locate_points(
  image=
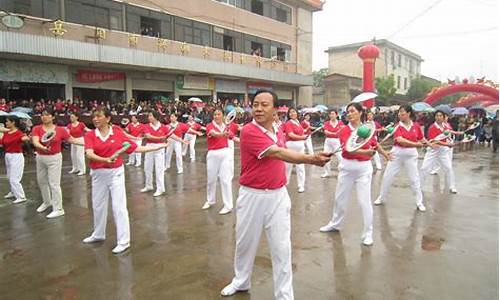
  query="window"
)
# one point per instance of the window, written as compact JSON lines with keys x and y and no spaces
{"x":393,"y":62}
{"x":280,"y":51}
{"x":150,"y":27}
{"x":236,"y":3}
{"x":191,"y":32}
{"x":399,"y":82}
{"x":412,"y":66}
{"x":147,"y":22}
{"x":257,"y":7}
{"x":406,"y":83}
{"x":228,"y":42}
{"x":257,"y":49}
{"x":99,"y":13}
{"x":281,"y":12}
{"x":48,"y":9}
{"x":399,"y":60}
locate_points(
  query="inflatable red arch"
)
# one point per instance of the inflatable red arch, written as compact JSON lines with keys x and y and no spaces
{"x":439,"y":92}
{"x":474,"y":99}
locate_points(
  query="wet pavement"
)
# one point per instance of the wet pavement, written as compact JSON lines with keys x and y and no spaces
{"x":182,"y":252}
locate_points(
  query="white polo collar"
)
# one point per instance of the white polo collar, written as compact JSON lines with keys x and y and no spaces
{"x":104,"y":138}
{"x":272,"y":135}
{"x":404,"y":126}
{"x":155,"y":127}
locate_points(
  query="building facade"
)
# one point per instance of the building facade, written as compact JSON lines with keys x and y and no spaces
{"x":144,"y":49}
{"x":394,"y":60}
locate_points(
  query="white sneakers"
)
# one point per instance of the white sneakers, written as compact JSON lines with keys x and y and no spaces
{"x":453,"y":190}
{"x":91,"y":239}
{"x":129,"y":164}
{"x":9,"y":195}
{"x":80,"y":174}
{"x":206,"y":205}
{"x":325,"y":175}
{"x":138,"y":165}
{"x":116,"y":250}
{"x":120,"y":248}
{"x":224,"y":211}
{"x":146,"y":189}
{"x":55,"y":214}
{"x":421,"y":207}
{"x":193,"y":160}
{"x":229,"y":290}
{"x":301,"y":190}
{"x":180,"y":171}
{"x":20,"y":200}
{"x":42,"y":207}
{"x":72,"y":171}
{"x":378,"y":201}
{"x":434,"y":172}
{"x":328,"y":228}
{"x":157,"y":194}
{"x":368,"y":240}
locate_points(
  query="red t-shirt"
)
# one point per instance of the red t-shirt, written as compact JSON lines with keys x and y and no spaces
{"x":306,"y":125}
{"x":108,"y":147}
{"x":194,"y":126}
{"x":257,"y":172}
{"x":180,"y":129}
{"x":213,"y":142}
{"x":59,"y":106}
{"x":76,"y":131}
{"x":413,"y":134}
{"x":12,"y":142}
{"x":233,"y":129}
{"x":435,"y":130}
{"x":55,"y":144}
{"x":136,"y":129}
{"x":162,"y":130}
{"x":344,"y":135}
{"x":293,"y":127}
{"x":4,"y":107}
{"x":335,"y":129}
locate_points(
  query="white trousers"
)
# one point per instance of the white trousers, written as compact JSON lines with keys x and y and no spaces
{"x":48,"y":175}
{"x":441,"y":156}
{"x":331,"y":145}
{"x":14,"y":165}
{"x":403,"y":158}
{"x":268,"y":210}
{"x":230,"y":144}
{"x":106,"y":182}
{"x":358,"y":173}
{"x":376,"y":159}
{"x":78,"y":158}
{"x":218,"y":167}
{"x":309,"y":145}
{"x":191,"y":138}
{"x":155,"y":160}
{"x":300,"y":169}
{"x":437,"y":166}
{"x":135,"y":158}
{"x":177,"y":146}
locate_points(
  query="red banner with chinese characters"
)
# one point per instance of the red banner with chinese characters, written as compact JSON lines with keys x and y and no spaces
{"x":98,"y":76}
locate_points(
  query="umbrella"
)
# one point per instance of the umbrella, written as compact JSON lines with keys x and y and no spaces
{"x":229,"y":108}
{"x":26,"y":110}
{"x":477,"y":107}
{"x":492,"y":108}
{"x":421,"y":106}
{"x":364,"y":96}
{"x":195,"y":99}
{"x":283,"y":109}
{"x":20,"y":115}
{"x":239,"y":110}
{"x":458,"y":111}
{"x":321,"y":107}
{"x":444,"y":108}
{"x":309,"y":110}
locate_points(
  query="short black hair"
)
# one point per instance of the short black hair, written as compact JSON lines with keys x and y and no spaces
{"x":262,"y":91}
{"x":359,"y":108}
{"x":407,"y":108}
{"x":155,"y":114}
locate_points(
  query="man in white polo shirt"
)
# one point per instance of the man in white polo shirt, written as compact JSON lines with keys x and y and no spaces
{"x":263,"y":202}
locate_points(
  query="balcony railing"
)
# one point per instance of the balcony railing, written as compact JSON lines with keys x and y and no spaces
{"x":89,"y":34}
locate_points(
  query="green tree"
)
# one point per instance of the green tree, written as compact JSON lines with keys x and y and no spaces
{"x":385,"y":88}
{"x":419,"y":88}
{"x":319,"y":75}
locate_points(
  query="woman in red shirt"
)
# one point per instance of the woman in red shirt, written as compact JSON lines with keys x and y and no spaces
{"x":295,"y":138}
{"x":49,"y":162}
{"x":439,"y":152}
{"x":135,"y":129}
{"x":178,"y":129}
{"x":408,"y":137}
{"x":77,"y":130}
{"x":108,"y":177}
{"x":331,"y":129}
{"x":306,"y":124}
{"x":355,"y":169}
{"x":219,"y":163}
{"x":191,"y":137}
{"x":12,"y":143}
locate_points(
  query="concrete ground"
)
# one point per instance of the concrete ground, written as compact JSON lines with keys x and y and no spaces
{"x":182,"y":252}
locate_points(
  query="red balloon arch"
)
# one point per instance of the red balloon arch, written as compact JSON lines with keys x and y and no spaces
{"x":488,"y":94}
{"x":467,"y":101}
